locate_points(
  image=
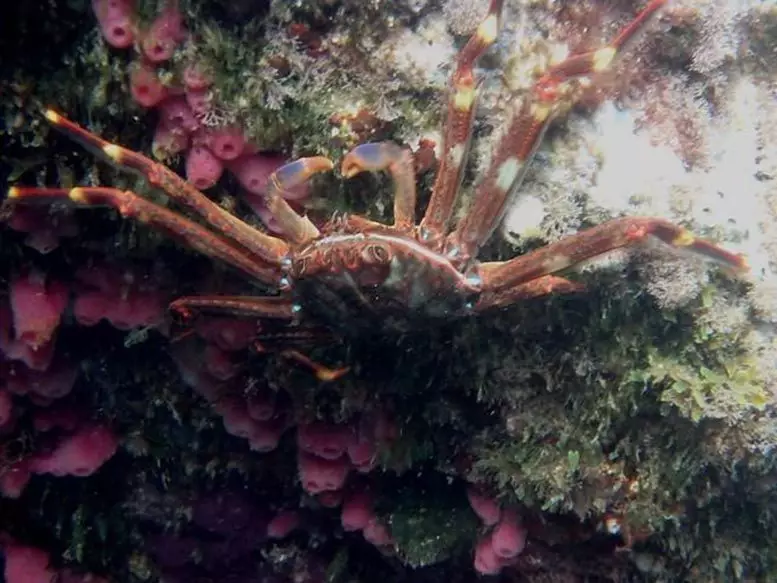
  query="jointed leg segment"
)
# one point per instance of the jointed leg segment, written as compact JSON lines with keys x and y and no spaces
{"x":130,"y":205}
{"x":268,"y":249}
{"x":458,"y":129}
{"x":500,"y":277}
{"x":553,"y":94}
{"x":274,"y":308}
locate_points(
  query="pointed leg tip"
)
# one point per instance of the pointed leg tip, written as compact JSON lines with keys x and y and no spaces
{"x":52,"y":116}
{"x":77,"y":195}
{"x":332,"y":374}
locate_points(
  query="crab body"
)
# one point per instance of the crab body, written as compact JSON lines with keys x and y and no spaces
{"x":353,"y":273}
{"x":378,"y":277}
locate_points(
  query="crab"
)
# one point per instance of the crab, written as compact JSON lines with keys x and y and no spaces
{"x":353,"y":269}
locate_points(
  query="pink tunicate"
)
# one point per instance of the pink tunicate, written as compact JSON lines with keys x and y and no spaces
{"x":235,"y":416}
{"x":44,"y":228}
{"x":137,"y":309}
{"x":253,"y":171}
{"x":325,"y":440}
{"x":219,"y":363}
{"x":266,"y":435}
{"x":195,"y":79}
{"x":37,"y":359}
{"x":115,"y":20}
{"x":37,"y":306}
{"x":145,"y":86}
{"x":165,"y":33}
{"x":377,"y":533}
{"x":27,"y":565}
{"x":14,"y":479}
{"x":54,"y":383}
{"x":487,"y":562}
{"x":6,"y":407}
{"x":227,"y":333}
{"x":261,"y":404}
{"x":320,"y":475}
{"x":168,"y":141}
{"x":63,"y":418}
{"x":283,"y":524}
{"x":80,"y":454}
{"x":203,"y":169}
{"x":362,"y":453}
{"x":509,"y":537}
{"x":226,"y":143}
{"x":484,"y":506}
{"x":90,"y":307}
{"x":177,"y":114}
{"x":357,"y":511}
{"x":122,"y":297}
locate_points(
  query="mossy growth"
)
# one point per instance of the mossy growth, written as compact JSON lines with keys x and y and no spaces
{"x":430,"y":523}
{"x":615,"y":407}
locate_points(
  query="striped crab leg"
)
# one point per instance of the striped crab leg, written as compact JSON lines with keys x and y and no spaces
{"x":269,"y":249}
{"x":458,"y":130}
{"x":132,"y":206}
{"x":552,"y":95}
{"x":263,"y":308}
{"x":502,"y":278}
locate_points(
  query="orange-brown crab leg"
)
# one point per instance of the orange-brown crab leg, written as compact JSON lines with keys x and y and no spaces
{"x":273,"y":308}
{"x":458,"y":129}
{"x":542,"y":286}
{"x":552,"y":95}
{"x":501,"y":277}
{"x":323,"y":373}
{"x":270,"y":249}
{"x":399,"y":163}
{"x":132,"y":206}
{"x":298,"y":229}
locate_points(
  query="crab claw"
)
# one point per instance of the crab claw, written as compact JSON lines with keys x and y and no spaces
{"x":370,"y":157}
{"x":297,"y":172}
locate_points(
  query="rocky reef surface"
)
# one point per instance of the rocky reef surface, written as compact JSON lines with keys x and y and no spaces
{"x":625,"y":433}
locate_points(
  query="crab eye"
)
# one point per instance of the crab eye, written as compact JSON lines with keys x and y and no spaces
{"x":376,"y":254}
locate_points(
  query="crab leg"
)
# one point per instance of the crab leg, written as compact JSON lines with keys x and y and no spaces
{"x":500,"y":277}
{"x":552,"y":95}
{"x":388,"y":156}
{"x":270,"y":249}
{"x":298,"y":229}
{"x":542,"y":286}
{"x":273,"y":308}
{"x":458,"y":129}
{"x":131,"y":205}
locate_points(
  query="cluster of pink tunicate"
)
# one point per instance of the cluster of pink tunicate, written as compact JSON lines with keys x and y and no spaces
{"x":126,"y":298}
{"x":35,"y":377}
{"x":225,"y":538}
{"x":26,"y":564}
{"x":182,"y":107}
{"x":506,"y":536}
{"x":44,"y":229}
{"x":327,"y":453}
